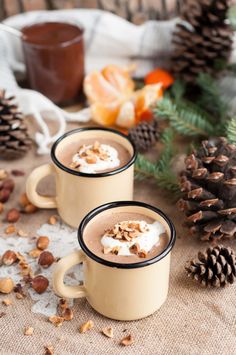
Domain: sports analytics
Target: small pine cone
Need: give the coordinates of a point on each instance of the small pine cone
(215, 267)
(144, 135)
(14, 137)
(209, 190)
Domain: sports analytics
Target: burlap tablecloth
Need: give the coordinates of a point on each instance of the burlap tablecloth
(192, 321)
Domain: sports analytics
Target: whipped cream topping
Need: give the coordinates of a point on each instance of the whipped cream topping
(95, 157)
(141, 239)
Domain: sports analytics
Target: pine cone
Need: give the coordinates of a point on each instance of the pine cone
(203, 37)
(209, 186)
(216, 267)
(14, 138)
(144, 135)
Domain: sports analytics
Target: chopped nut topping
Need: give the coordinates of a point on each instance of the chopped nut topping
(90, 155)
(115, 250)
(142, 254)
(56, 320)
(28, 331)
(108, 332)
(128, 340)
(10, 229)
(107, 250)
(135, 249)
(7, 302)
(86, 326)
(127, 230)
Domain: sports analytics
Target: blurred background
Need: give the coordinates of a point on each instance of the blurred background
(136, 11)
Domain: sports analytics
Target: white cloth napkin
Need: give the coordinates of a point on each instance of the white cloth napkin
(109, 39)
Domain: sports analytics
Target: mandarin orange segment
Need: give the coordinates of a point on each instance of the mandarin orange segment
(105, 114)
(119, 78)
(98, 89)
(146, 97)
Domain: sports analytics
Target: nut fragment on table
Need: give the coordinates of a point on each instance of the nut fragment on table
(1, 207)
(108, 332)
(39, 283)
(6, 285)
(13, 215)
(46, 259)
(68, 314)
(86, 326)
(53, 220)
(7, 302)
(22, 233)
(42, 242)
(10, 229)
(28, 331)
(3, 174)
(9, 257)
(56, 320)
(34, 253)
(49, 350)
(19, 291)
(128, 340)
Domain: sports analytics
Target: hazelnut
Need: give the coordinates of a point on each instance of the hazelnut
(16, 172)
(46, 259)
(13, 215)
(1, 207)
(39, 283)
(8, 184)
(24, 201)
(3, 174)
(6, 285)
(42, 243)
(4, 195)
(52, 220)
(9, 257)
(30, 208)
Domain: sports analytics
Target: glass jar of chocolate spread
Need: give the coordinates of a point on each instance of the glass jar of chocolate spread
(54, 57)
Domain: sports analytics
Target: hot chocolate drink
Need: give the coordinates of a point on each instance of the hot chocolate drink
(125, 237)
(94, 156)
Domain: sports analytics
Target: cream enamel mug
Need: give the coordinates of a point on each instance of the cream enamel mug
(117, 290)
(78, 193)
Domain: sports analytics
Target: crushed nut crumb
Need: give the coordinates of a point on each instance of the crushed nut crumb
(28, 331)
(86, 326)
(7, 302)
(56, 320)
(108, 332)
(53, 220)
(10, 229)
(49, 350)
(22, 233)
(128, 340)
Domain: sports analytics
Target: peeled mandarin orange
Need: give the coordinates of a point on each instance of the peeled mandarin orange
(105, 114)
(119, 78)
(98, 89)
(145, 98)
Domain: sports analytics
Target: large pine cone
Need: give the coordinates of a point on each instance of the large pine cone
(14, 137)
(216, 267)
(209, 186)
(144, 135)
(202, 38)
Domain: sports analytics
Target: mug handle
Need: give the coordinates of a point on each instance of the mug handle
(31, 185)
(59, 272)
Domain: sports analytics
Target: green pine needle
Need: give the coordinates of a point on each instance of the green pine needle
(185, 121)
(210, 97)
(231, 130)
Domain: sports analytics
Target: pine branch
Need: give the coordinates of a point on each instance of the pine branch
(211, 98)
(231, 130)
(185, 121)
(161, 171)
